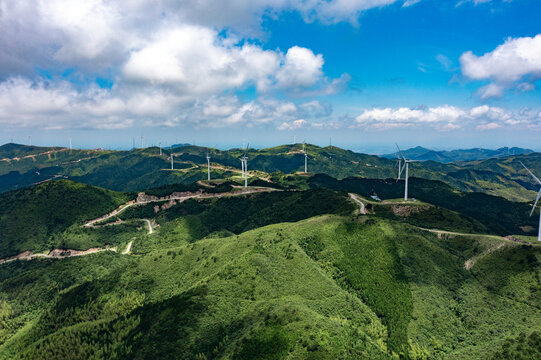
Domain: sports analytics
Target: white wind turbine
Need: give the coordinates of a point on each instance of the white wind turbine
(406, 166)
(305, 157)
(245, 165)
(160, 148)
(536, 200)
(172, 161)
(208, 167)
(399, 167)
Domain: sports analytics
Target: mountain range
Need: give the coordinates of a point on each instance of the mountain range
(447, 156)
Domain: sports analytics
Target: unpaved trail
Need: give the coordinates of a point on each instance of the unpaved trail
(61, 254)
(471, 261)
(54, 254)
(149, 225)
(131, 203)
(357, 199)
(128, 248)
(33, 156)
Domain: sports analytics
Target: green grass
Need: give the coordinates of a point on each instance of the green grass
(286, 274)
(35, 218)
(140, 169)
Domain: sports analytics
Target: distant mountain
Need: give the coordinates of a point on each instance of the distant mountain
(423, 154)
(12, 150)
(141, 169)
(177, 146)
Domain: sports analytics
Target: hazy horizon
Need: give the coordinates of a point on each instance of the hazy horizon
(443, 75)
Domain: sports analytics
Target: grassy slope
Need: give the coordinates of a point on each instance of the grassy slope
(498, 215)
(253, 296)
(143, 168)
(35, 218)
(326, 287)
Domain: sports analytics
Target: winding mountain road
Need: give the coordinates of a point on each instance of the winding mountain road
(61, 254)
(358, 200)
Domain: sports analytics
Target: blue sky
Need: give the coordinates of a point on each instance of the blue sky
(366, 73)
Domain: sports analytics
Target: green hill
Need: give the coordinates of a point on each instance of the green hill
(140, 169)
(34, 218)
(498, 215)
(422, 154)
(323, 288)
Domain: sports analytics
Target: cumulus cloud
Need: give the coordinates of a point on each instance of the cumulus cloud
(196, 60)
(301, 68)
(165, 60)
(25, 103)
(446, 118)
(100, 33)
(515, 63)
(293, 125)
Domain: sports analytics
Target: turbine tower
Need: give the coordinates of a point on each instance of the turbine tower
(172, 161)
(536, 200)
(244, 161)
(208, 167)
(70, 146)
(242, 165)
(305, 158)
(160, 148)
(406, 166)
(399, 167)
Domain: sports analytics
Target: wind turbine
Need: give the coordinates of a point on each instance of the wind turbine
(406, 166)
(70, 146)
(208, 167)
(245, 158)
(305, 158)
(172, 161)
(244, 162)
(399, 167)
(536, 200)
(160, 148)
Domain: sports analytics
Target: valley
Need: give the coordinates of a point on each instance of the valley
(292, 266)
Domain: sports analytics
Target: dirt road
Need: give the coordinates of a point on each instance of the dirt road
(357, 199)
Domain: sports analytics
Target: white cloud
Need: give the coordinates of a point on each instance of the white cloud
(99, 34)
(24, 103)
(293, 125)
(195, 59)
(301, 68)
(444, 118)
(335, 11)
(515, 61)
(489, 126)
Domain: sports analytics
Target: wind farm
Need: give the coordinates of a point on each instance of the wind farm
(268, 180)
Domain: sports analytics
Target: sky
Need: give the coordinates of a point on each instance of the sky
(360, 74)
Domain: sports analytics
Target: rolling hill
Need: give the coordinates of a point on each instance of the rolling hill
(447, 156)
(297, 274)
(140, 169)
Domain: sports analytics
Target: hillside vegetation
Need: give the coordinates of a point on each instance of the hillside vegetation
(140, 169)
(292, 271)
(324, 288)
(35, 218)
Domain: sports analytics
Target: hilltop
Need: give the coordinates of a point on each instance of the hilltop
(270, 274)
(140, 169)
(447, 156)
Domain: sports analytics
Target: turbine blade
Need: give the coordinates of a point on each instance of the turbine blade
(400, 151)
(531, 173)
(535, 204)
